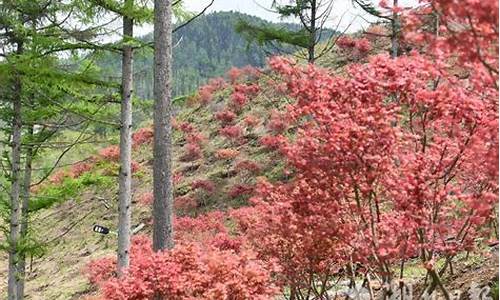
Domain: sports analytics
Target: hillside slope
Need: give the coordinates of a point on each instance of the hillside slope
(222, 145)
(218, 156)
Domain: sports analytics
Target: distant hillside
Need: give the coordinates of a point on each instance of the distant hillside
(206, 48)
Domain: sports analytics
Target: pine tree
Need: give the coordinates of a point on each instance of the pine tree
(312, 14)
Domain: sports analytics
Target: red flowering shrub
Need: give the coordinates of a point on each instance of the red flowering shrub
(462, 24)
(202, 228)
(100, 270)
(205, 185)
(192, 152)
(225, 116)
(233, 132)
(111, 153)
(251, 121)
(227, 153)
(379, 178)
(185, 203)
(251, 72)
(345, 42)
(58, 177)
(142, 136)
(223, 241)
(354, 49)
(247, 166)
(238, 100)
(271, 142)
(185, 127)
(80, 168)
(195, 138)
(206, 93)
(233, 74)
(190, 271)
(134, 166)
(239, 190)
(241, 94)
(363, 45)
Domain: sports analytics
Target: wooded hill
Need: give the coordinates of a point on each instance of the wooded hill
(207, 48)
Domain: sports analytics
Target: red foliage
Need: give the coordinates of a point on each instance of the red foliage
(242, 93)
(248, 166)
(58, 177)
(345, 42)
(185, 203)
(217, 83)
(206, 94)
(233, 132)
(468, 30)
(227, 153)
(111, 153)
(192, 152)
(207, 185)
(239, 190)
(251, 72)
(238, 100)
(251, 121)
(195, 138)
(233, 74)
(225, 116)
(142, 136)
(100, 270)
(190, 271)
(185, 127)
(354, 48)
(134, 166)
(271, 142)
(80, 168)
(378, 180)
(207, 263)
(193, 148)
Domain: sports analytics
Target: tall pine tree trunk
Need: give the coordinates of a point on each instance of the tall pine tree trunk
(15, 211)
(162, 149)
(25, 211)
(124, 193)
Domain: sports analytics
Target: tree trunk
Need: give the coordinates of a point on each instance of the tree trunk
(25, 212)
(15, 211)
(162, 166)
(125, 181)
(312, 37)
(395, 32)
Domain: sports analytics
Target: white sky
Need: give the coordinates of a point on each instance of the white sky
(342, 9)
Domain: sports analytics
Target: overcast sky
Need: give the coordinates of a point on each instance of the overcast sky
(343, 11)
